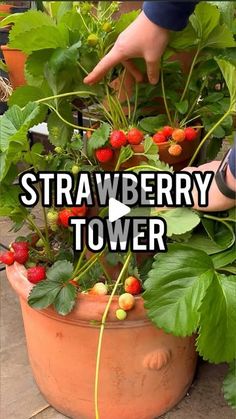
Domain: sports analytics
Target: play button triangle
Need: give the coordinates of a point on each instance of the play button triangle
(117, 210)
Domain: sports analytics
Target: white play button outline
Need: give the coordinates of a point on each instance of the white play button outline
(117, 210)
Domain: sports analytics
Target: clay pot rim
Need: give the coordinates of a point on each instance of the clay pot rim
(7, 48)
(88, 308)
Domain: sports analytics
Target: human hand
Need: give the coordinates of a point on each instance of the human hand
(216, 200)
(142, 39)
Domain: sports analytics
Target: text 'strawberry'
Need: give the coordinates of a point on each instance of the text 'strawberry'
(178, 135)
(167, 131)
(79, 211)
(190, 134)
(135, 136)
(159, 138)
(21, 256)
(99, 289)
(132, 285)
(64, 216)
(20, 245)
(104, 154)
(175, 150)
(126, 301)
(92, 40)
(118, 139)
(8, 258)
(36, 274)
(75, 169)
(121, 314)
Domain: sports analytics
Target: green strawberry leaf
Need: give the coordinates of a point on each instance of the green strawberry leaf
(151, 124)
(217, 339)
(14, 126)
(229, 72)
(99, 138)
(60, 133)
(182, 107)
(55, 289)
(61, 271)
(224, 258)
(43, 294)
(25, 94)
(229, 385)
(175, 288)
(204, 19)
(65, 299)
(125, 154)
(178, 220)
(34, 66)
(219, 232)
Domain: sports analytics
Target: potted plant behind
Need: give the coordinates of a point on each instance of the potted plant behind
(73, 303)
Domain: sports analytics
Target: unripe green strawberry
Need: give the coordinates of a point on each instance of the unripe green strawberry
(99, 289)
(58, 150)
(48, 158)
(106, 27)
(75, 169)
(92, 40)
(52, 219)
(52, 216)
(121, 314)
(40, 243)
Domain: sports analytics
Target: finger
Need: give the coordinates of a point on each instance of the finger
(132, 69)
(153, 71)
(107, 63)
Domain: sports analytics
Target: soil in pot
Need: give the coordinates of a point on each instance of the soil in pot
(144, 371)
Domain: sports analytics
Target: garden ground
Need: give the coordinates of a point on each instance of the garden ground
(21, 399)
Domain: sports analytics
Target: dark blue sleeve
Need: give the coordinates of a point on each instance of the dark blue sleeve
(232, 160)
(171, 15)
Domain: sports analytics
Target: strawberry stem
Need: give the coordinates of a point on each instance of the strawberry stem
(104, 317)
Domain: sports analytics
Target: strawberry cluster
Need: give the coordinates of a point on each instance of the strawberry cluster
(174, 136)
(19, 252)
(168, 134)
(132, 286)
(117, 140)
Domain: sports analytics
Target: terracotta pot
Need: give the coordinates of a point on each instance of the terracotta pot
(5, 8)
(144, 371)
(15, 61)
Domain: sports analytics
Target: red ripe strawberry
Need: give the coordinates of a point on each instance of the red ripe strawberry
(118, 139)
(190, 134)
(36, 274)
(175, 150)
(7, 257)
(167, 131)
(79, 211)
(63, 217)
(132, 285)
(159, 138)
(104, 154)
(135, 136)
(21, 255)
(20, 245)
